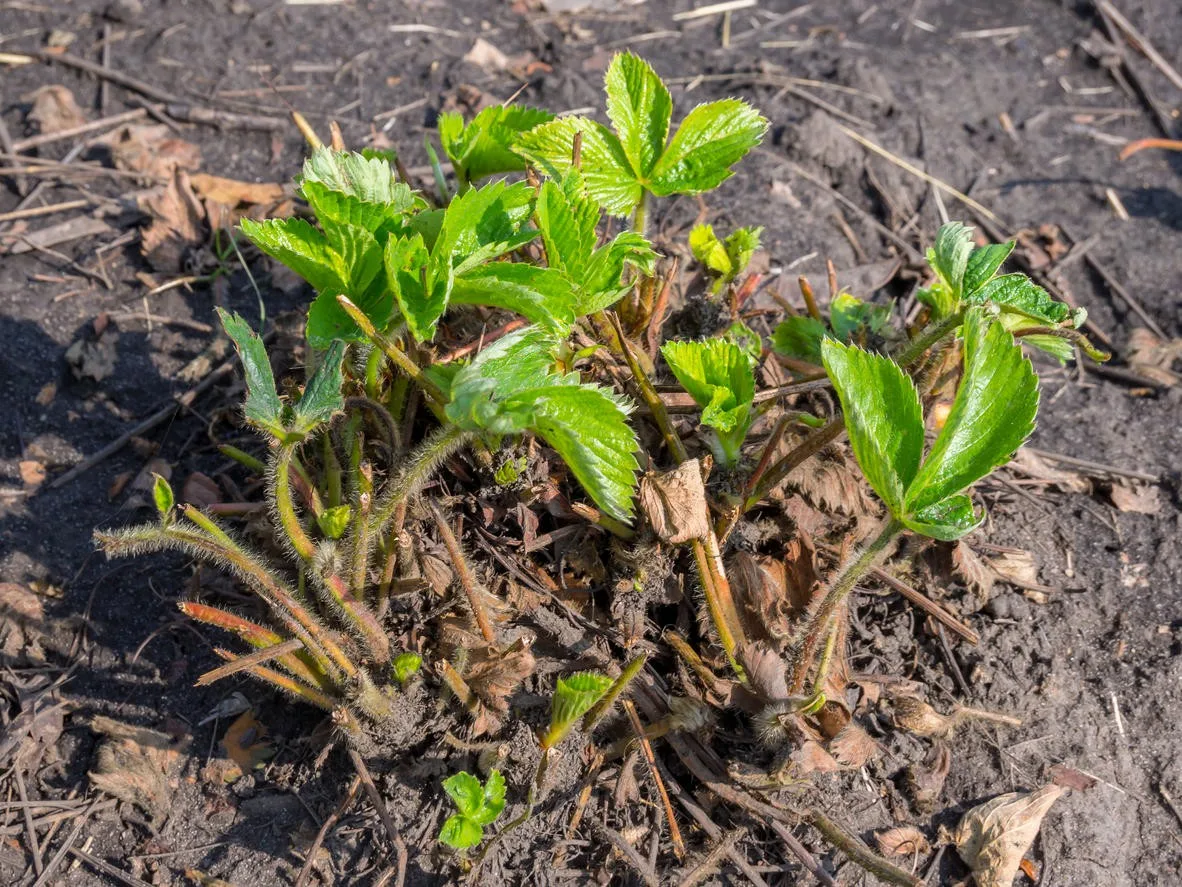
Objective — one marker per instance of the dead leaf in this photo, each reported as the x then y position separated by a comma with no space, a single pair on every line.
200,490
1068,777
495,675
993,837
134,765
1016,567
151,149
1137,498
675,503
22,621
32,473
227,201
811,757
55,110
1038,468
177,222
487,56
903,841
852,747
976,573
245,742
829,484
759,587
924,782
30,737
1152,358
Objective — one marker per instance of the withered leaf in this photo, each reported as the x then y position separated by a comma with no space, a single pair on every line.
1137,498
245,742
151,149
177,222
55,110
675,503
832,485
903,841
976,573
759,585
1152,358
853,746
134,764
1034,466
200,490
22,622
924,782
494,675
811,757
993,837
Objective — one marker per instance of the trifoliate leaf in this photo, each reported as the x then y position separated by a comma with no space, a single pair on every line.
950,256
359,256
983,264
718,375
421,299
711,139
322,395
640,108
606,169
882,416
542,295
992,415
338,207
460,832
573,697
465,791
334,521
946,520
163,496
483,147
493,800
588,427
1019,294
709,250
263,407
370,179
300,247
800,337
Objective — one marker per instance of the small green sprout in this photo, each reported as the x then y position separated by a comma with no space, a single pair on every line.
573,698
719,375
405,666
477,806
163,496
484,146
624,165
724,260
334,521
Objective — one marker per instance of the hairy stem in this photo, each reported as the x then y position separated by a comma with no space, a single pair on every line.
640,214
279,481
420,465
392,351
599,709
928,337
464,574
821,613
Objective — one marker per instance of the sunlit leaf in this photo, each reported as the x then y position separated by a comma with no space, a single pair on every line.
710,140
640,108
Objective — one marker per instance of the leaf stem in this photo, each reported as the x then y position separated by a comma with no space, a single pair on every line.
640,214
284,504
928,337
392,351
821,613
464,574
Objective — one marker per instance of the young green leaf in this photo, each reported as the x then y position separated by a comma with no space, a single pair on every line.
300,247
322,395
606,170
1018,294
460,833
263,407
800,337
369,179
482,224
338,207
741,245
992,415
710,140
465,791
882,416
709,250
483,147
542,295
640,108
983,264
421,299
947,519
492,799
718,376
950,256
849,314
334,521
573,697
163,496
405,666
477,805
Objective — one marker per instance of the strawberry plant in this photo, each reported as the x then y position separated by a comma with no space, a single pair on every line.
724,260
477,806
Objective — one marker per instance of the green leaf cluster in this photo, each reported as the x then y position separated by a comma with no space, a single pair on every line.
477,805
850,320
636,156
724,260
992,414
573,698
719,375
484,147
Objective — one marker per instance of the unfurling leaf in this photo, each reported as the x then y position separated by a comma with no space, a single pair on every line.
466,791
882,415
483,147
369,179
949,258
334,521
478,806
710,140
263,408
709,250
573,697
163,496
405,666
719,376
993,837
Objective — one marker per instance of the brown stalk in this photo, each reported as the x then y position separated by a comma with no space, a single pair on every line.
359,617
241,663
283,682
464,573
651,760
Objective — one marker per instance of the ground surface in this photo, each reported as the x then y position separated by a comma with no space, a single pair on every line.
1093,664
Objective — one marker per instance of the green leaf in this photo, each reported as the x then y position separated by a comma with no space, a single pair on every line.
460,832
322,395
746,338
370,179
359,256
481,224
709,250
484,146
542,295
939,298
946,520
514,363
992,415
493,801
602,284
588,427
950,256
574,696
741,246
337,207
422,301
983,264
263,407
800,337
163,496
882,416
606,169
300,247
640,108
718,376
711,139
849,314
1019,294
334,521
465,791
405,666
567,222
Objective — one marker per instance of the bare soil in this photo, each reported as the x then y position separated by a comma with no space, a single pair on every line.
1022,117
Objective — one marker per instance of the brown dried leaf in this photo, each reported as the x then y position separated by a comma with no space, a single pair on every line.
1137,498
1069,777
55,110
200,490
134,765
245,742
975,572
767,673
1038,468
177,222
151,149
924,782
1016,567
22,621
993,836
1152,358
853,746
903,841
495,675
228,200
831,484
759,585
675,503
811,757
32,473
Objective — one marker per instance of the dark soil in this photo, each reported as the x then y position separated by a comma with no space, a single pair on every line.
1091,664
